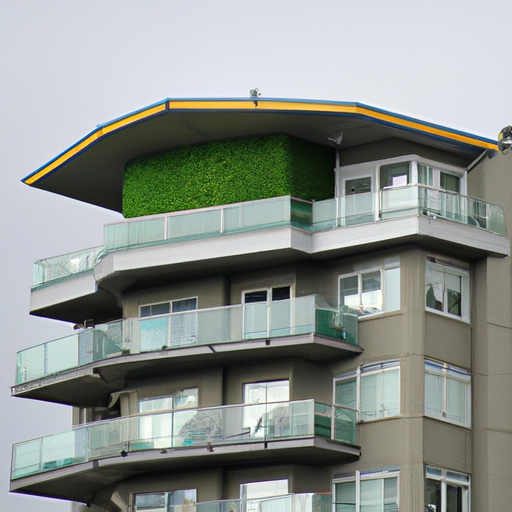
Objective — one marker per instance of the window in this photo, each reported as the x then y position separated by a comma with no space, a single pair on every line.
368,492
447,289
267,312
176,501
256,494
446,491
371,290
372,390
448,393
395,175
259,417
165,417
172,324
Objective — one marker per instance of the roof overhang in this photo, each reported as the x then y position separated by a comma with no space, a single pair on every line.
92,169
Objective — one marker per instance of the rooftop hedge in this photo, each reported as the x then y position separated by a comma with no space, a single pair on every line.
226,172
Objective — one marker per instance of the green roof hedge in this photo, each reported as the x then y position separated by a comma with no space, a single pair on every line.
226,172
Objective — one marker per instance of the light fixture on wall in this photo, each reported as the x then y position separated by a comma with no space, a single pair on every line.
505,139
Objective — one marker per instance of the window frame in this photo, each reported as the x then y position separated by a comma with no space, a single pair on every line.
363,372
449,269
167,498
359,477
448,477
449,372
192,335
384,269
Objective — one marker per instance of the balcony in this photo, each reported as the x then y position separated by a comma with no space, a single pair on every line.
387,204
411,200
286,503
75,464
198,334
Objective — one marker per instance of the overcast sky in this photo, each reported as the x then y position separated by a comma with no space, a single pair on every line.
68,65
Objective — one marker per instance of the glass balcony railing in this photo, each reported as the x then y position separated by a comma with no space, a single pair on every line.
286,503
301,315
279,211
408,201
208,222
184,429
66,265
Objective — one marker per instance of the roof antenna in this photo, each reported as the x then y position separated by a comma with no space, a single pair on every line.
338,137
254,93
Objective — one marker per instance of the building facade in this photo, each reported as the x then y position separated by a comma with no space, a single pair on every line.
306,309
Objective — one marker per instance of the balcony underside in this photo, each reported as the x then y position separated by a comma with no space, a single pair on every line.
138,268
80,482
90,384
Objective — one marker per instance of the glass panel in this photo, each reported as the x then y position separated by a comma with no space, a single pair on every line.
255,320
392,289
194,224
346,393
254,490
154,334
456,401
395,175
434,282
371,296
433,496
434,396
349,293
454,498
450,182
371,496
346,497
391,495
160,309
280,324
425,175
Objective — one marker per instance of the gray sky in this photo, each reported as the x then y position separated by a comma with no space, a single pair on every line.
67,66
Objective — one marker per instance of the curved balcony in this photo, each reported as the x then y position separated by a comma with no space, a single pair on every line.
304,502
74,464
304,326
387,204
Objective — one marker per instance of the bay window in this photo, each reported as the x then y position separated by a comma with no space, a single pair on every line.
373,289
373,390
376,491
448,393
447,289
446,491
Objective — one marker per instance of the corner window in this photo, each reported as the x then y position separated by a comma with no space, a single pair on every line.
447,289
446,491
164,501
448,393
371,290
374,391
367,492
395,175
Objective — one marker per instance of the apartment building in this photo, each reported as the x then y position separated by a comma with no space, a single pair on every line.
306,309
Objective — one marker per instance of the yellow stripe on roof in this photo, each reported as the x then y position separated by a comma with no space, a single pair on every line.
264,105
330,108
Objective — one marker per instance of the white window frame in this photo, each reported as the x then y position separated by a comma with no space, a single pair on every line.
373,169
447,269
192,335
384,268
448,477
448,372
367,371
359,477
268,304
167,497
